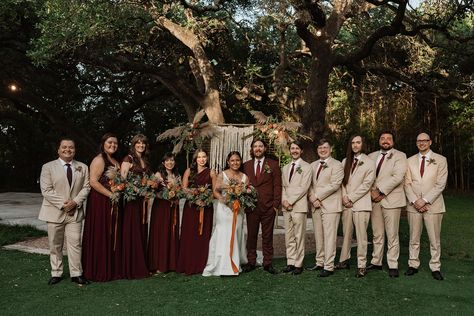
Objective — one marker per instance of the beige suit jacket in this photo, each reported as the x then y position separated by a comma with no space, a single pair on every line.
327,188
431,186
359,184
56,190
390,180
295,192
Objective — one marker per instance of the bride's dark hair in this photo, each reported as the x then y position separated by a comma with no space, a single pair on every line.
241,168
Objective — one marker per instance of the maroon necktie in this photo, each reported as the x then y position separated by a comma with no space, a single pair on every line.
69,173
380,164
292,170
354,165
320,168
422,167
257,173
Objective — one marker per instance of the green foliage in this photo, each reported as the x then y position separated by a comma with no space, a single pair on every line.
10,234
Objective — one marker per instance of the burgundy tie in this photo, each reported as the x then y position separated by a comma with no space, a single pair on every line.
320,168
354,165
422,167
69,173
292,170
380,164
257,173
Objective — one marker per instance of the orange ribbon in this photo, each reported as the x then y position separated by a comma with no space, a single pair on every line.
175,219
201,219
235,211
144,209
114,210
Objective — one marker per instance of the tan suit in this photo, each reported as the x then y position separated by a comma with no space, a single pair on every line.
357,190
327,189
56,190
430,188
385,215
295,192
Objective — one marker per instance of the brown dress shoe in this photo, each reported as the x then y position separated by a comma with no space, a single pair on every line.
344,265
361,272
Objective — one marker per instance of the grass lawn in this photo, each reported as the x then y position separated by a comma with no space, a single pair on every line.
24,289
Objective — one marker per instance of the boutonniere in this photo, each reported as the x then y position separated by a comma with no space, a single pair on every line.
390,156
360,163
267,169
325,165
299,170
78,169
431,161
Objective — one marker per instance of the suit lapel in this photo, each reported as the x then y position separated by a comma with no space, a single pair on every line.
62,173
251,173
74,175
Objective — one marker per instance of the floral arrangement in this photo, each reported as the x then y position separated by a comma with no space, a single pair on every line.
279,134
189,136
172,190
116,183
133,187
246,195
431,161
200,196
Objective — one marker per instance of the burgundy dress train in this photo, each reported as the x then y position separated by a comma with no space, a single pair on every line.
164,236
194,246
101,241
134,234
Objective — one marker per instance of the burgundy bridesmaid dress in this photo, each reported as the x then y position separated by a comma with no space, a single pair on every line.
193,246
164,236
134,234
101,241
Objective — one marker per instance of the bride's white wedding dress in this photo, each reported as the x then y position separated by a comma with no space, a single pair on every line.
219,259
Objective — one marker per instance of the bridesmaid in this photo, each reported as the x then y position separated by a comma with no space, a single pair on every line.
134,231
194,242
164,224
101,246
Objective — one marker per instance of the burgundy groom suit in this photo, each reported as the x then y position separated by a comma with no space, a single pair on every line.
268,186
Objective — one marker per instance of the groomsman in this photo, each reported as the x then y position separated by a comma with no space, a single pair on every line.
388,198
265,175
64,185
425,181
296,179
326,200
359,175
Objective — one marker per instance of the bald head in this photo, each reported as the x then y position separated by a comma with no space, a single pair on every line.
423,142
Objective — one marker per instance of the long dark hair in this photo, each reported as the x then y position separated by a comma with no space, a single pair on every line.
101,147
194,167
350,157
234,152
162,169
133,153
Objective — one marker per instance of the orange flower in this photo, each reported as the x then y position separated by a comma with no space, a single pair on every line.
121,186
143,181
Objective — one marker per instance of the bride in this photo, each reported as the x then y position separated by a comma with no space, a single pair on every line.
227,246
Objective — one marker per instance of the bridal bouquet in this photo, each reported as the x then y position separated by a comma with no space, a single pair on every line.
116,183
246,195
201,196
149,185
172,190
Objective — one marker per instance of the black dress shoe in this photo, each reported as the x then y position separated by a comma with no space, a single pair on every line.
374,267
54,280
393,273
361,272
297,271
411,271
80,280
325,273
437,275
315,268
344,265
248,267
288,268
270,269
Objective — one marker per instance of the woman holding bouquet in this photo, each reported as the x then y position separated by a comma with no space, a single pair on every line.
196,225
227,246
101,239
164,224
135,167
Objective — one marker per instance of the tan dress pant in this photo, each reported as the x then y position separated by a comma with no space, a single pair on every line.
295,230
330,223
385,221
433,228
56,234
347,232
318,236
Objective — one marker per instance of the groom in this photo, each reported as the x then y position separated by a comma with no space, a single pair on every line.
64,185
265,175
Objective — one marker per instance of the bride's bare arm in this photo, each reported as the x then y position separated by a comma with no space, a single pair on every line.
218,185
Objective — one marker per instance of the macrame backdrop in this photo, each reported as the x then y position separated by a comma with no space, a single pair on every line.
229,138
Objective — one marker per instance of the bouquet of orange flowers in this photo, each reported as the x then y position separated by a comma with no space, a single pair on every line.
116,183
200,196
172,190
246,195
149,185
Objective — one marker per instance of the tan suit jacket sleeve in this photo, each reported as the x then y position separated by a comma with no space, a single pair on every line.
396,177
441,179
298,188
48,190
365,176
85,188
334,184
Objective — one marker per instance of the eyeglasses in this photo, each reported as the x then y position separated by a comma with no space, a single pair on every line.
418,141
